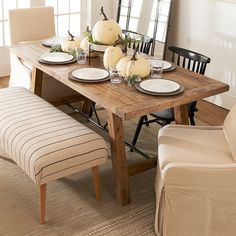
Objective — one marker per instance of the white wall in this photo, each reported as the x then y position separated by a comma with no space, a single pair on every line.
209,27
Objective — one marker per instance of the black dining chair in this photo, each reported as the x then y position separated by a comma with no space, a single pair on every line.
143,42
190,60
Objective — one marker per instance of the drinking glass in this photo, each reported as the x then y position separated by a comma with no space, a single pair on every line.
114,75
81,57
156,69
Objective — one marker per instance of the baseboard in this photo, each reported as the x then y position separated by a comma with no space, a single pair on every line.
226,100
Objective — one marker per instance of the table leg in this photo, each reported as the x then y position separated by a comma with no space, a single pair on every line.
36,81
181,114
116,134
86,108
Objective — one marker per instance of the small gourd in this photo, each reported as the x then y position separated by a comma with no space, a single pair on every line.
106,31
134,65
84,45
111,56
70,44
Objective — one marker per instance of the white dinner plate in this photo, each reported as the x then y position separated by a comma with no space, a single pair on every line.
56,57
159,85
166,65
90,74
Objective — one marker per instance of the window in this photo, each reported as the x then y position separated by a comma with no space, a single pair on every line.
67,16
144,16
148,17
125,8
130,14
163,17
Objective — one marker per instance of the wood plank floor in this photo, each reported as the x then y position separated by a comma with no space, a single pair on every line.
4,81
207,112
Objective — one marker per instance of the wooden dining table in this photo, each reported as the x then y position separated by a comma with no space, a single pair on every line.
122,103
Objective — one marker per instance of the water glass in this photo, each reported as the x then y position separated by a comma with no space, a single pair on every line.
114,75
156,69
81,58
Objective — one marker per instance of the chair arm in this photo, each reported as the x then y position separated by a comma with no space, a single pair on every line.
20,74
201,176
193,127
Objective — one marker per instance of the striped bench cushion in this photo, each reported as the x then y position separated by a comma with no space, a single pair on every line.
46,143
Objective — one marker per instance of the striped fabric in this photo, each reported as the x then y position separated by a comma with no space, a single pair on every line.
46,143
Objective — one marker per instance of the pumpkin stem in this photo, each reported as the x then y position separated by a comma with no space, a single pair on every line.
120,38
71,36
104,15
133,58
88,30
117,41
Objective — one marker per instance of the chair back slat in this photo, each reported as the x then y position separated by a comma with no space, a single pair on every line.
173,57
184,60
203,68
193,67
198,67
178,60
189,64
142,47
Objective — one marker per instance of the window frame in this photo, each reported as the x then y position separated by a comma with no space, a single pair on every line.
145,22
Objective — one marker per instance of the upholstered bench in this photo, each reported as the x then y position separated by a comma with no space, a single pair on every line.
46,143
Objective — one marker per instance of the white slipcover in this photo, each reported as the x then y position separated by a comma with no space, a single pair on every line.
196,180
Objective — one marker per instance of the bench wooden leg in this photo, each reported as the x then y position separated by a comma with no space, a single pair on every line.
42,203
96,182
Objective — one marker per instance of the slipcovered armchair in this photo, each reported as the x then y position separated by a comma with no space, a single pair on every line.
196,180
23,30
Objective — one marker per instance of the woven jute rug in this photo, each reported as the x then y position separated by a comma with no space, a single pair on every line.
71,205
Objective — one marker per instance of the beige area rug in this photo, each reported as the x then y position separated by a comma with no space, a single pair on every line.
71,205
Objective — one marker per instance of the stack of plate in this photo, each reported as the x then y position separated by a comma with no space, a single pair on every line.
103,47
56,58
53,41
89,75
159,87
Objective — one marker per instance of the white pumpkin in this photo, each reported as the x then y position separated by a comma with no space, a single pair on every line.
111,56
139,67
106,31
70,44
122,65
134,65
